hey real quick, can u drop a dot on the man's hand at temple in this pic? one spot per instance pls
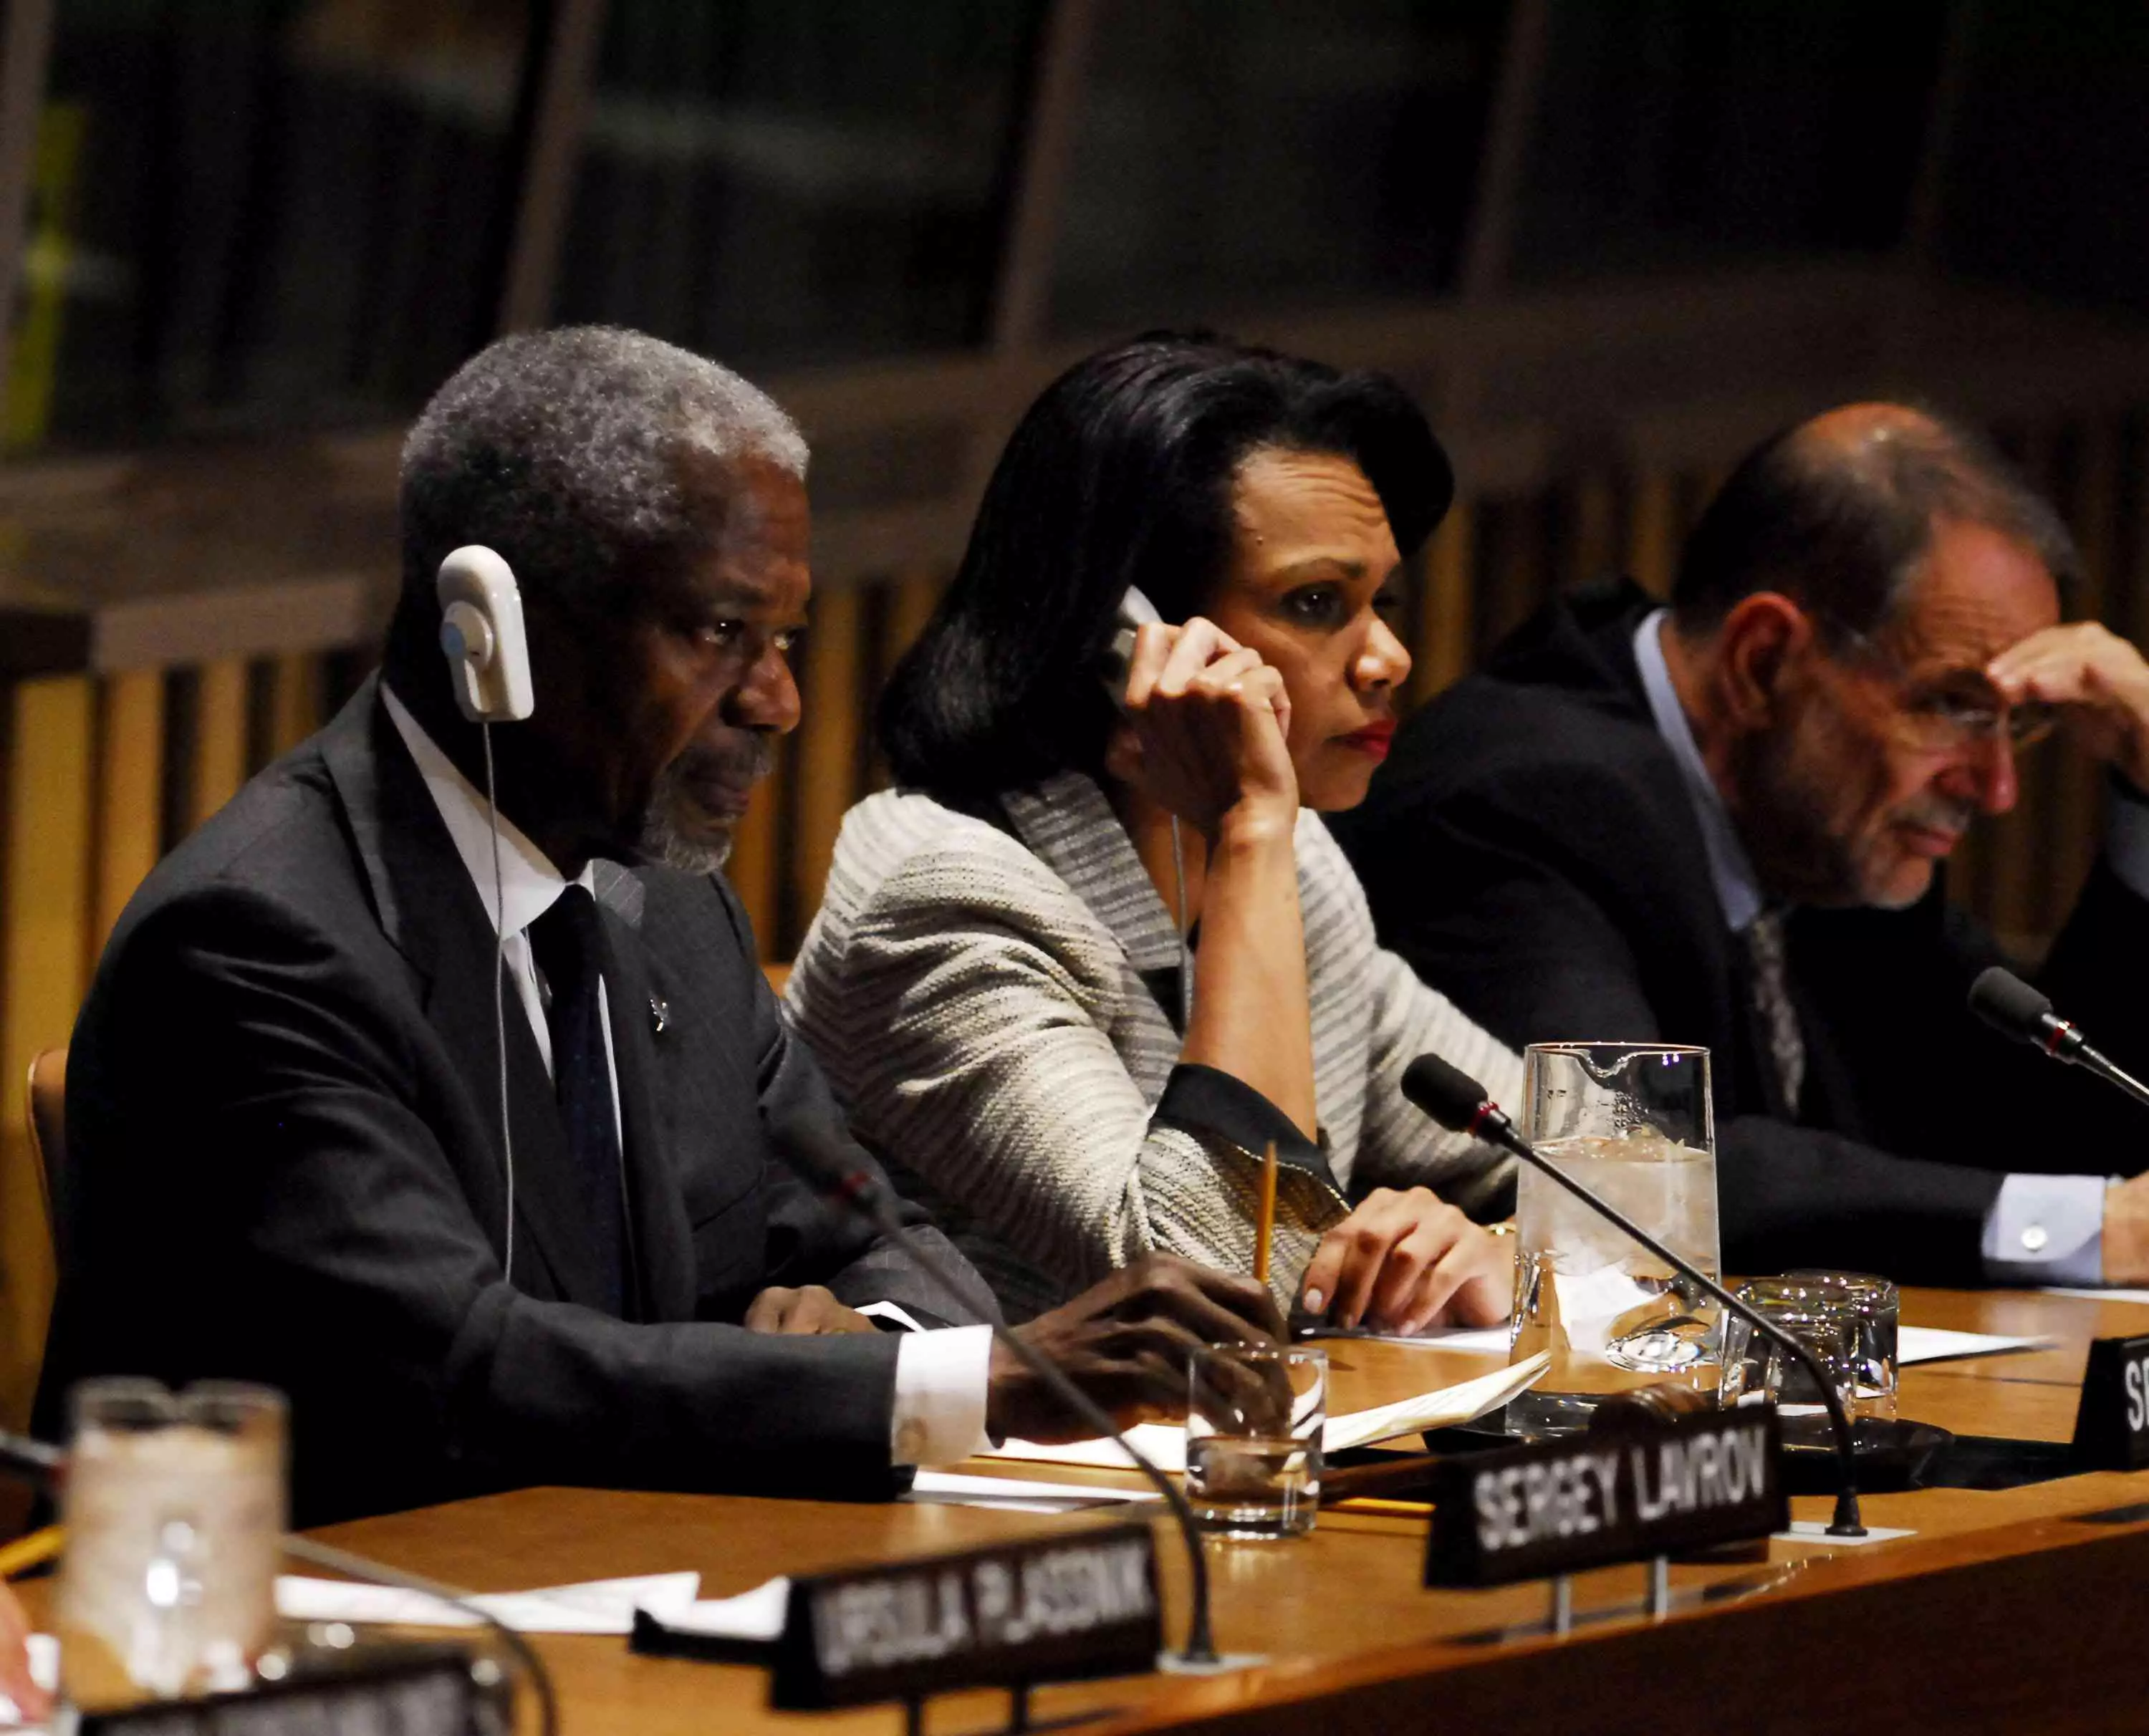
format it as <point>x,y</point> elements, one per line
<point>1124,1342</point>
<point>1406,1260</point>
<point>2098,681</point>
<point>803,1313</point>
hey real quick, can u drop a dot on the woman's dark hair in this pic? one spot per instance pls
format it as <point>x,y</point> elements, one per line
<point>1120,475</point>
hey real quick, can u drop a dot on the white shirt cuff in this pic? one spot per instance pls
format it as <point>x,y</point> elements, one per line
<point>940,1382</point>
<point>2046,1230</point>
<point>2126,836</point>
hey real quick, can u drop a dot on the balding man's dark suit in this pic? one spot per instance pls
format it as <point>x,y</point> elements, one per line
<point>1532,849</point>
<point>283,1166</point>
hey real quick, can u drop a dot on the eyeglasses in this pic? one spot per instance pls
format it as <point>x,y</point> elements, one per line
<point>1955,708</point>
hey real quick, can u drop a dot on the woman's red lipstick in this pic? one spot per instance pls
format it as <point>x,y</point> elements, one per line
<point>1374,738</point>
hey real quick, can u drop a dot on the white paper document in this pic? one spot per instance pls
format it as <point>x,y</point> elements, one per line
<point>1933,1344</point>
<point>594,1606</point>
<point>1816,1531</point>
<point>1164,1443</point>
<point>1018,1495</point>
<point>2101,1295</point>
<point>1491,1341</point>
<point>754,1615</point>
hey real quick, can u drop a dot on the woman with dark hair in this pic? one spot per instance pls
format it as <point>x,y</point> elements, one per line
<point>1097,951</point>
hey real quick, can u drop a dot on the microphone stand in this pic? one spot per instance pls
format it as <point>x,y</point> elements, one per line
<point>1488,1120</point>
<point>859,1190</point>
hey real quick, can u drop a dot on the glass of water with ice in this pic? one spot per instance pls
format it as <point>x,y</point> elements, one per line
<point>174,1511</point>
<point>1633,1123</point>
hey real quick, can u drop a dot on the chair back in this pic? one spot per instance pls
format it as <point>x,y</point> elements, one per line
<point>47,1107</point>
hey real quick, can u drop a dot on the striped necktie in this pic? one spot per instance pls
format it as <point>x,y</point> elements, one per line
<point>1772,1001</point>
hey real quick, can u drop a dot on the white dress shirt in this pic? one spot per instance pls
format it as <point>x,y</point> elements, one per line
<point>2042,1229</point>
<point>940,1376</point>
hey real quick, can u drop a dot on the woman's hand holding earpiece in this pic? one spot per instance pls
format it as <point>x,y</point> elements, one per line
<point>1210,723</point>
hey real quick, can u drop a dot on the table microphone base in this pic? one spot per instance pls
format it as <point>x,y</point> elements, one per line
<point>1177,1663</point>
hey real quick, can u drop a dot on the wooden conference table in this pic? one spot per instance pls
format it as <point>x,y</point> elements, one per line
<point>2006,1610</point>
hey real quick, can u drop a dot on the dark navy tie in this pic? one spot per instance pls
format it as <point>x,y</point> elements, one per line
<point>565,943</point>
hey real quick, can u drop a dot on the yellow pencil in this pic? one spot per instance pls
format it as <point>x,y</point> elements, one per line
<point>32,1550</point>
<point>1380,1504</point>
<point>1265,1224</point>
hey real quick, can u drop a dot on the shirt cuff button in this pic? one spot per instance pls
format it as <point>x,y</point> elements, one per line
<point>2034,1239</point>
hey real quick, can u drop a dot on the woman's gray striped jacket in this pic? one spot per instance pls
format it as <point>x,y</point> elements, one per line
<point>992,1003</point>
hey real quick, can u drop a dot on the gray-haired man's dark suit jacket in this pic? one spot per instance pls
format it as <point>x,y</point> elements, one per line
<point>283,1166</point>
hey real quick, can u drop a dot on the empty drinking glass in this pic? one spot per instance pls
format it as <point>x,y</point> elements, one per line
<point>1847,1320</point>
<point>1255,1415</point>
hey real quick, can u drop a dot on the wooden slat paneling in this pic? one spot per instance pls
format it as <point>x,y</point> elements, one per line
<point>45,939</point>
<point>130,754</point>
<point>220,738</point>
<point>296,685</point>
<point>1443,652</point>
<point>834,697</point>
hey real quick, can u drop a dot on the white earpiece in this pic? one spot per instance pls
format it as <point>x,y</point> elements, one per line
<point>481,633</point>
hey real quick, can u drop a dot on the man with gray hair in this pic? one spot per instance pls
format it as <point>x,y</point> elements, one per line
<point>463,1120</point>
<point>1722,823</point>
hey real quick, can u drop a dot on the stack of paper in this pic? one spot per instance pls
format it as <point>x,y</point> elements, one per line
<point>1164,1444</point>
<point>594,1606</point>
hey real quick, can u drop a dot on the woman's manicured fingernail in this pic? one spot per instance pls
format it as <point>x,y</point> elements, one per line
<point>1314,1301</point>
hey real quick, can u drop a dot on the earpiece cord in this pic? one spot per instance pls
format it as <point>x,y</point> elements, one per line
<point>498,998</point>
<point>1179,919</point>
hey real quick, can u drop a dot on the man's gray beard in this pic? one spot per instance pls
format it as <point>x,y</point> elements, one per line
<point>664,840</point>
<point>1785,829</point>
<point>661,841</point>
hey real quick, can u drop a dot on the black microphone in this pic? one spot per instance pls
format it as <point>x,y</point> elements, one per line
<point>2011,1006</point>
<point>831,1166</point>
<point>1458,1103</point>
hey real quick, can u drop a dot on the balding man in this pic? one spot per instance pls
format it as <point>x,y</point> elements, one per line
<point>1723,823</point>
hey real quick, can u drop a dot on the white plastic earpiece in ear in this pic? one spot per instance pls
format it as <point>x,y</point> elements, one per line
<point>466,637</point>
<point>481,633</point>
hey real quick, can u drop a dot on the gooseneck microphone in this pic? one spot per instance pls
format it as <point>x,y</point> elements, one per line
<point>2011,1006</point>
<point>832,1169</point>
<point>1458,1103</point>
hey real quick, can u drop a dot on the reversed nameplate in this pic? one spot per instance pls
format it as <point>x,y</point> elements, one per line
<point>2112,1422</point>
<point>415,1691</point>
<point>1623,1493</point>
<point>1051,1609</point>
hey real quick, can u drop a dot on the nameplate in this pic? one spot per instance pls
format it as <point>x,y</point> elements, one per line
<point>1624,1494</point>
<point>2112,1422</point>
<point>1052,1608</point>
<point>415,1691</point>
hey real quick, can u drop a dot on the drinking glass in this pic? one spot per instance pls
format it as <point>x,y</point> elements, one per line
<point>1875,1310</point>
<point>1847,1320</point>
<point>1633,1123</point>
<point>1254,1418</point>
<point>174,1508</point>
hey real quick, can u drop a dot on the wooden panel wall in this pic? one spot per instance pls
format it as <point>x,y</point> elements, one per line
<point>99,775</point>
